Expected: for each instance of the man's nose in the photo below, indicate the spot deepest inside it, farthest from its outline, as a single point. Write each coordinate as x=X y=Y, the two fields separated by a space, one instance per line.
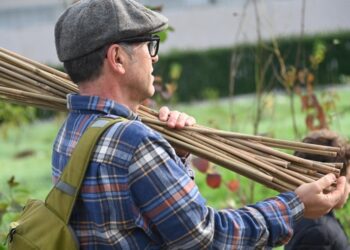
x=155 y=59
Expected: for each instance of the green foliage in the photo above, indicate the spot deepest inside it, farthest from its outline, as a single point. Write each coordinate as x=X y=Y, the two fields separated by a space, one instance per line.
x=210 y=93
x=200 y=70
x=12 y=116
x=175 y=71
x=318 y=54
x=163 y=35
x=12 y=200
x=211 y=68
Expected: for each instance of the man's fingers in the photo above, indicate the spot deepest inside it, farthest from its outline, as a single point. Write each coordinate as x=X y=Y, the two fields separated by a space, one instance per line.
x=173 y=119
x=181 y=120
x=190 y=121
x=316 y=201
x=164 y=113
x=326 y=181
x=339 y=192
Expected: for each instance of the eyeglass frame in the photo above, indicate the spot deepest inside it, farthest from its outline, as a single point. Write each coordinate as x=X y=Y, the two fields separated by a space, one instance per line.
x=139 y=39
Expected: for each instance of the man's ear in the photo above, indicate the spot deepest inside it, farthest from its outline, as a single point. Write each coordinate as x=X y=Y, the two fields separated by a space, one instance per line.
x=116 y=59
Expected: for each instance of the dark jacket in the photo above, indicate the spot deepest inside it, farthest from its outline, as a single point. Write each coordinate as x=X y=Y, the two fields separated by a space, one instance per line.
x=325 y=233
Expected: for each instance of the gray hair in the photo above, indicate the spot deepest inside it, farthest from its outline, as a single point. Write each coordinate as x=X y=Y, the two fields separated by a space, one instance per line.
x=89 y=67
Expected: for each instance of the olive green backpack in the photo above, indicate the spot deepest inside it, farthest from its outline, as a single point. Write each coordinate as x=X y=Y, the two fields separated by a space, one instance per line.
x=45 y=225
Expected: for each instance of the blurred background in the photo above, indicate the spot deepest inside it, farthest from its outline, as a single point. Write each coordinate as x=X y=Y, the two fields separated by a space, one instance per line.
x=26 y=26
x=277 y=68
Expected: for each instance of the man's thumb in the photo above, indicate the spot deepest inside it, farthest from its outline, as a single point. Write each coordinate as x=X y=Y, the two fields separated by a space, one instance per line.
x=326 y=181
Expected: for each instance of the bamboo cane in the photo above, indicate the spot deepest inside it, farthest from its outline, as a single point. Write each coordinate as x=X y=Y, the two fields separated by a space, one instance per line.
x=27 y=82
x=7 y=82
x=302 y=149
x=43 y=83
x=260 y=139
x=55 y=82
x=38 y=65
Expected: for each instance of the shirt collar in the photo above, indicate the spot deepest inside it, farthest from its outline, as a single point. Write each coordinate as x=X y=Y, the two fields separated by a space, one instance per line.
x=92 y=104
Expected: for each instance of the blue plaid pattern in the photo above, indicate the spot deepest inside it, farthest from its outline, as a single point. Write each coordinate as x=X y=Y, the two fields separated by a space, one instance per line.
x=137 y=194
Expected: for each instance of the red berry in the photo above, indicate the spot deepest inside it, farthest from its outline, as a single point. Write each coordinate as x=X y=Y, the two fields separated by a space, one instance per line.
x=201 y=164
x=233 y=185
x=213 y=180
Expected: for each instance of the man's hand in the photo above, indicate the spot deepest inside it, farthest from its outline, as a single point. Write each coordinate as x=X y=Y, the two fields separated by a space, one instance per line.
x=175 y=119
x=316 y=201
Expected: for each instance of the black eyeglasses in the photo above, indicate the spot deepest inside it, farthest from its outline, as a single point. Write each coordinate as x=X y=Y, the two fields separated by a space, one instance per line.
x=153 y=42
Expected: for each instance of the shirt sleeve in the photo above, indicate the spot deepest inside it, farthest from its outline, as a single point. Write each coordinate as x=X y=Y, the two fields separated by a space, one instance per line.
x=171 y=204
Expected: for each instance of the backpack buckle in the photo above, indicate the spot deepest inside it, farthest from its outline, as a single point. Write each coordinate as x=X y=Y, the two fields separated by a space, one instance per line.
x=11 y=233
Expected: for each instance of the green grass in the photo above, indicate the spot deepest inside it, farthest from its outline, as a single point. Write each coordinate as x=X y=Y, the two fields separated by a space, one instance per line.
x=34 y=171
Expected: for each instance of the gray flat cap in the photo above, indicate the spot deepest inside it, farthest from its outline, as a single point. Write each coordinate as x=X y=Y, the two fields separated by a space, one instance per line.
x=91 y=24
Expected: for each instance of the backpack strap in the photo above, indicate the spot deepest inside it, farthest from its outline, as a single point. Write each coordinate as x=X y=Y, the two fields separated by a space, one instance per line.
x=63 y=195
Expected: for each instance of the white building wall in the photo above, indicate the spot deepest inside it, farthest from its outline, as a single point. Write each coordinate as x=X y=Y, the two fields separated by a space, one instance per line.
x=26 y=26
x=225 y=25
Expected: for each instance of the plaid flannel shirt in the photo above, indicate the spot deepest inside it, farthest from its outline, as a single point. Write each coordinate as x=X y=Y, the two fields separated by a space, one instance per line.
x=137 y=194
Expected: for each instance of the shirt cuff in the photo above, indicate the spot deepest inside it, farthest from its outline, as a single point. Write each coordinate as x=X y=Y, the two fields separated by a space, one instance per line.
x=295 y=205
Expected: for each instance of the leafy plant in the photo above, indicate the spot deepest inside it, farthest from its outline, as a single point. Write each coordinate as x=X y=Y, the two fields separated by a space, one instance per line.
x=318 y=55
x=12 y=115
x=11 y=205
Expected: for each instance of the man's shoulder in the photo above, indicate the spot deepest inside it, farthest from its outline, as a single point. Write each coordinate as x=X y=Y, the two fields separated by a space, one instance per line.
x=131 y=131
x=118 y=143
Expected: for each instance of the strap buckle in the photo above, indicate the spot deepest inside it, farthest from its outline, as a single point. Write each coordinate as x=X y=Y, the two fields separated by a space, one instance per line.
x=11 y=233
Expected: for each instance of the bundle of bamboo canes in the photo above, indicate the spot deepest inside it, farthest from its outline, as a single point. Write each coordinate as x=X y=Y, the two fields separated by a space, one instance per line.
x=27 y=82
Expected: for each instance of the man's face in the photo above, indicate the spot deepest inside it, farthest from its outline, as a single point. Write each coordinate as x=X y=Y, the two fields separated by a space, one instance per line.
x=139 y=70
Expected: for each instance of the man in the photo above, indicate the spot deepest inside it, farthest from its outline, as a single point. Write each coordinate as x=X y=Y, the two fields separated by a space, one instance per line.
x=137 y=193
x=326 y=232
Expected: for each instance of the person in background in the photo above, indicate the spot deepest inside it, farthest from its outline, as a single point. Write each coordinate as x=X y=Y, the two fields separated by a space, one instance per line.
x=326 y=232
x=138 y=192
